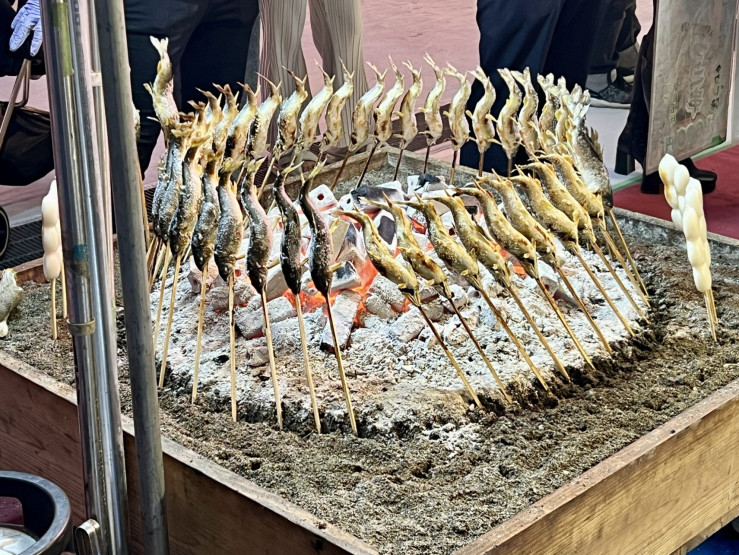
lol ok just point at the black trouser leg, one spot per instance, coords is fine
(606, 46)
(512, 37)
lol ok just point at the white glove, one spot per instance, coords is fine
(26, 20)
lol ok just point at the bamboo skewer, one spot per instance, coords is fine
(397, 165)
(340, 363)
(602, 290)
(614, 249)
(366, 166)
(53, 310)
(454, 166)
(710, 310)
(620, 283)
(562, 319)
(480, 350)
(625, 246)
(512, 336)
(199, 341)
(161, 257)
(167, 333)
(341, 169)
(510, 167)
(481, 164)
(161, 296)
(275, 155)
(306, 361)
(150, 255)
(232, 343)
(271, 354)
(581, 304)
(426, 159)
(450, 356)
(537, 331)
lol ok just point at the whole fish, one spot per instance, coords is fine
(507, 123)
(527, 121)
(523, 221)
(229, 113)
(432, 107)
(361, 114)
(213, 112)
(161, 185)
(287, 118)
(458, 123)
(236, 140)
(312, 114)
(501, 229)
(204, 236)
(170, 196)
(230, 221)
(475, 242)
(334, 126)
(191, 197)
(256, 140)
(483, 128)
(384, 110)
(260, 231)
(320, 251)
(383, 260)
(290, 258)
(162, 90)
(407, 112)
(568, 176)
(545, 211)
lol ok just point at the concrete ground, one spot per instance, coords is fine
(404, 30)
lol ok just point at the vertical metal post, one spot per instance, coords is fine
(87, 265)
(132, 252)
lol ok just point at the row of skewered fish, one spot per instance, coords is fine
(207, 194)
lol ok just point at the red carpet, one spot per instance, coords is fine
(721, 207)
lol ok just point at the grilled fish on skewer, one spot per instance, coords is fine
(568, 176)
(236, 140)
(363, 109)
(457, 259)
(548, 119)
(287, 118)
(320, 258)
(527, 120)
(257, 259)
(407, 113)
(229, 113)
(432, 109)
(384, 111)
(170, 198)
(458, 123)
(483, 127)
(334, 126)
(256, 140)
(292, 269)
(161, 90)
(507, 124)
(312, 114)
(474, 241)
(425, 267)
(402, 275)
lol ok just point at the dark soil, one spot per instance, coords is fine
(436, 490)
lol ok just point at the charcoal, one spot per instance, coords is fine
(323, 198)
(408, 326)
(434, 310)
(339, 229)
(195, 276)
(250, 320)
(352, 249)
(388, 291)
(276, 284)
(386, 228)
(218, 295)
(346, 277)
(428, 294)
(376, 194)
(345, 309)
(378, 306)
(459, 297)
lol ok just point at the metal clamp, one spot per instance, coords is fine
(87, 538)
(81, 328)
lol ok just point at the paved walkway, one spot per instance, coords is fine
(405, 30)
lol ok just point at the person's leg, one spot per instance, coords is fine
(627, 46)
(337, 34)
(217, 50)
(175, 19)
(513, 38)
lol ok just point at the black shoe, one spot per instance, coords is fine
(651, 184)
(617, 94)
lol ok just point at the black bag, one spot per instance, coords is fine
(26, 153)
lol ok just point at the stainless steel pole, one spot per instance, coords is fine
(91, 309)
(132, 252)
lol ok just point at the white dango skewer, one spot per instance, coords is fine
(51, 239)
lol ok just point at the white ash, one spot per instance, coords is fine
(345, 308)
(388, 291)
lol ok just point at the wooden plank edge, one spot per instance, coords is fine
(521, 524)
(170, 448)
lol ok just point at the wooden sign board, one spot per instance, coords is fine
(692, 78)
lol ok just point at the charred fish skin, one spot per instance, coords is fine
(287, 117)
(334, 125)
(475, 242)
(170, 199)
(256, 141)
(361, 114)
(407, 112)
(507, 119)
(236, 140)
(545, 211)
(321, 251)
(384, 111)
(230, 221)
(458, 123)
(432, 107)
(382, 259)
(290, 244)
(191, 197)
(588, 156)
(483, 128)
(260, 232)
(162, 90)
(206, 228)
(160, 187)
(312, 114)
(228, 115)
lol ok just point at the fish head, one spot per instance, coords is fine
(360, 217)
(251, 96)
(299, 83)
(328, 80)
(380, 76)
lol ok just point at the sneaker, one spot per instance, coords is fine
(615, 94)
